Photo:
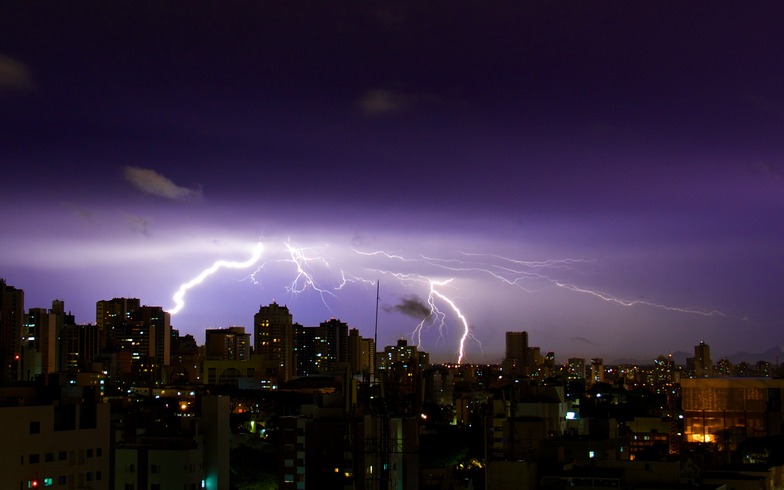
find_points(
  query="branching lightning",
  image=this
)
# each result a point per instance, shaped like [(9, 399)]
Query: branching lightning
[(304, 279), (312, 271)]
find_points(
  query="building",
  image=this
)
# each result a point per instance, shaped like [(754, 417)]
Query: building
[(39, 344), (597, 370), (576, 368), (185, 359), (60, 444), (11, 320), (515, 360), (78, 346), (111, 315), (361, 353), (273, 331), (192, 453), (144, 332), (703, 366), (402, 353), (227, 344), (727, 411), (321, 349)]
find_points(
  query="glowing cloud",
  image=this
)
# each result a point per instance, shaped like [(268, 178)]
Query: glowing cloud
[(13, 75), (151, 182)]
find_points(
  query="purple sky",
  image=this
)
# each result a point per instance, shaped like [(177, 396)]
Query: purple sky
[(605, 175)]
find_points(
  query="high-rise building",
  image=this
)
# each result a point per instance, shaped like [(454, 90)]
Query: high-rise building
[(143, 331), (11, 320), (227, 344), (361, 352), (274, 341), (703, 366), (520, 358), (320, 349), (78, 346), (185, 359), (112, 316), (153, 325), (336, 333), (516, 346), (39, 344), (404, 354), (597, 370), (576, 368)]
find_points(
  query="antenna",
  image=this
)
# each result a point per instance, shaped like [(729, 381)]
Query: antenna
[(375, 336)]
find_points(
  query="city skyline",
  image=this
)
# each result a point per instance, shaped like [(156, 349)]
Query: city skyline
[(607, 179)]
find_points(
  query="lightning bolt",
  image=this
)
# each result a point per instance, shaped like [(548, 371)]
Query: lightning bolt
[(466, 329), (304, 278), (624, 302), (530, 276), (179, 296)]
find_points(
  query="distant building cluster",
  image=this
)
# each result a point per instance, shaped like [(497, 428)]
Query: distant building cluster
[(127, 403)]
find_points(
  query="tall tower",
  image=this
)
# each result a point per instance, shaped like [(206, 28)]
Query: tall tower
[(516, 353), (39, 347), (336, 333), (155, 325), (11, 320), (703, 366), (273, 333), (597, 370)]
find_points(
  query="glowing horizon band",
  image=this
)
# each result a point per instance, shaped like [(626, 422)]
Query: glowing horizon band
[(179, 296), (509, 271)]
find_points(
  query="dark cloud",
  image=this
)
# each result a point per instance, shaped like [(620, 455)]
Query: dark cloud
[(138, 225), (581, 340), (412, 306)]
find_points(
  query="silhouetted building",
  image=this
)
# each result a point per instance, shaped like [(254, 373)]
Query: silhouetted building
[(361, 352), (703, 366), (144, 332), (227, 344), (39, 345), (112, 316), (402, 353), (319, 349), (576, 368), (274, 341), (185, 359), (170, 446), (11, 320), (60, 444), (515, 360), (79, 344)]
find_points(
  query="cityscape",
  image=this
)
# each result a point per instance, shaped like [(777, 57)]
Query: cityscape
[(433, 245), (126, 402)]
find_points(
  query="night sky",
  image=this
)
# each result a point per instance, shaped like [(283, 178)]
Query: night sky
[(605, 175)]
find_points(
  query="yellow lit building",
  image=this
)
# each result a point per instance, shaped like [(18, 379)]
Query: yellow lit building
[(727, 411)]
